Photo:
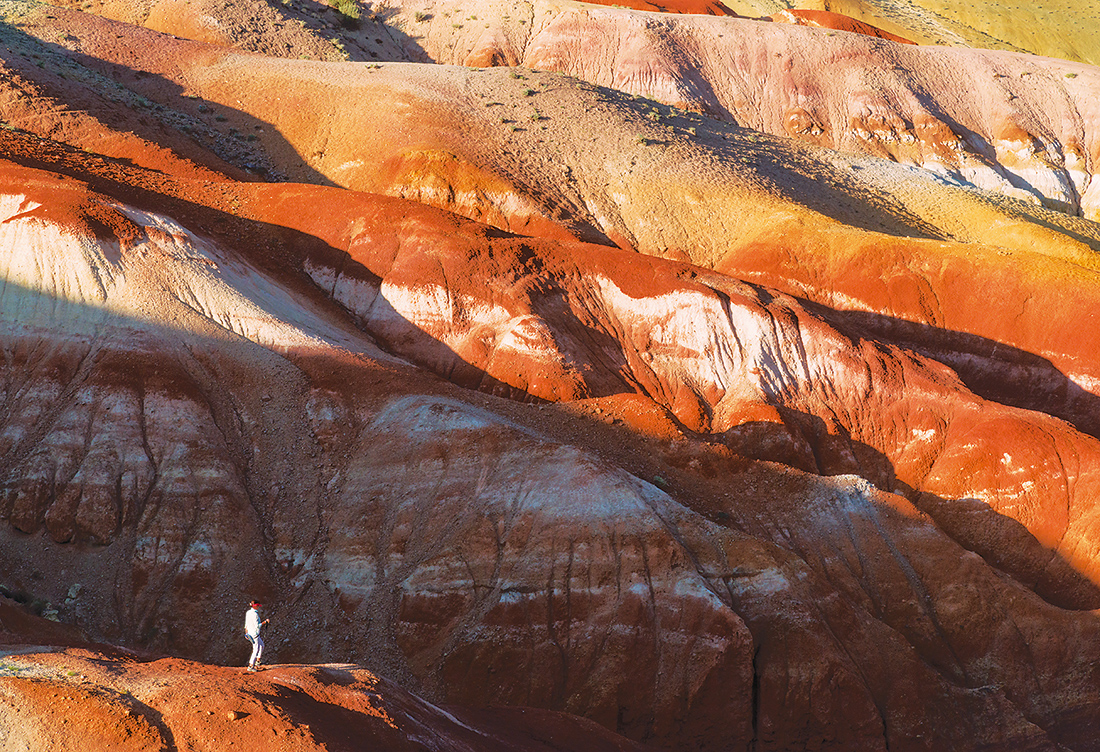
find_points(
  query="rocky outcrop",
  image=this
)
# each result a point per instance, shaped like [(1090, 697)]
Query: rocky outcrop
[(1019, 126), (206, 421), (719, 440), (494, 152), (99, 698), (1013, 129)]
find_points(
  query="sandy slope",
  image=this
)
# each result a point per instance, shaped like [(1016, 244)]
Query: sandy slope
[(721, 440), (597, 554), (1054, 28), (1019, 125), (517, 150)]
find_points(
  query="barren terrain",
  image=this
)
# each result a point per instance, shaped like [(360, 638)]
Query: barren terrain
[(562, 376)]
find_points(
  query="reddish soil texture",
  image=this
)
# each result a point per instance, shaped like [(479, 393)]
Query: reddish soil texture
[(651, 421), (95, 698), (703, 7), (824, 19), (531, 394)]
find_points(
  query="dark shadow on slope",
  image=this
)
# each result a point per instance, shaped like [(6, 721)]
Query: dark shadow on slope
[(339, 728), (282, 252), (794, 171), (361, 31), (829, 189), (993, 370), (126, 99), (155, 719), (982, 148), (804, 442), (277, 248)]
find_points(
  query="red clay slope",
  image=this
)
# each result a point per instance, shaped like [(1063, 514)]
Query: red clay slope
[(496, 552), (824, 19), (466, 141), (656, 491), (97, 698), (703, 7), (454, 139)]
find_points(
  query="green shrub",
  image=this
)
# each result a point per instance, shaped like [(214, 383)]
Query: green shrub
[(349, 12)]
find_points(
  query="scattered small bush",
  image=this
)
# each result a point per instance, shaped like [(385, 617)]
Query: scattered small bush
[(349, 12)]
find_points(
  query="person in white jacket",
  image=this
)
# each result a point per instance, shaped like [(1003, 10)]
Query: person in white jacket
[(252, 627)]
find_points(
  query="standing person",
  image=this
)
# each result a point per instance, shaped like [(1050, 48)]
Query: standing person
[(252, 627)]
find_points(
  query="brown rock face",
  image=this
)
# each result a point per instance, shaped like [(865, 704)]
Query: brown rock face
[(492, 552), (91, 698), (549, 403)]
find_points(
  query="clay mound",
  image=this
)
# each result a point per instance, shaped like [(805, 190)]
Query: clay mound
[(83, 699), (827, 20), (1051, 28), (715, 439), (1022, 126), (492, 551), (502, 147)]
